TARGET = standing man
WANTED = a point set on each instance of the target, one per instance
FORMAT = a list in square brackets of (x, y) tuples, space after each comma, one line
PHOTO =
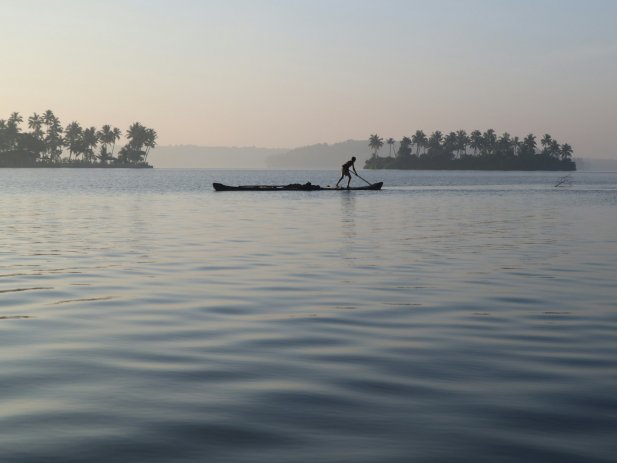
[(345, 172)]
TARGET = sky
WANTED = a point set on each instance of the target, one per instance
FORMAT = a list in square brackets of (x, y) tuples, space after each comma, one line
[(288, 73)]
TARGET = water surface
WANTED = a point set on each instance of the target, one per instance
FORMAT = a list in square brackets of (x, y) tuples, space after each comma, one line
[(453, 316)]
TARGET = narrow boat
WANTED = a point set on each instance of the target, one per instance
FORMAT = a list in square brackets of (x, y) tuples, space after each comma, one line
[(293, 187)]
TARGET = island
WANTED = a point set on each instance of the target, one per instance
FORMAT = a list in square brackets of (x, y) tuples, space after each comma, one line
[(476, 151), (48, 144)]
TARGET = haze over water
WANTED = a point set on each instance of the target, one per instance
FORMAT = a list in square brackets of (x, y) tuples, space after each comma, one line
[(453, 316)]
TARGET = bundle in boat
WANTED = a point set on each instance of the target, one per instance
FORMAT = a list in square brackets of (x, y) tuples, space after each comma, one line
[(308, 186)]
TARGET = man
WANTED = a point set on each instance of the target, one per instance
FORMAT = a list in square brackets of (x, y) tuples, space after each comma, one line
[(345, 173)]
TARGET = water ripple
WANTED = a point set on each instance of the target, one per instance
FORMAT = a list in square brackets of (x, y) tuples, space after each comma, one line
[(451, 317)]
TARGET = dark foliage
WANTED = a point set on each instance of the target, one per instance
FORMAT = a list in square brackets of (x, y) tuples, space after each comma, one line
[(46, 143), (477, 151)]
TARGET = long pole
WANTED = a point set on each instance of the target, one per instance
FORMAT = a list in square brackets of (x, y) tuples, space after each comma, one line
[(363, 179)]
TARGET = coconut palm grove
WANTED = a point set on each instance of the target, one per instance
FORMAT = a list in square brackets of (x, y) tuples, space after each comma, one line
[(476, 151), (48, 144)]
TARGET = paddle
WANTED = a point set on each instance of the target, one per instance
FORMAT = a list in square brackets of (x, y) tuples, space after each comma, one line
[(363, 179)]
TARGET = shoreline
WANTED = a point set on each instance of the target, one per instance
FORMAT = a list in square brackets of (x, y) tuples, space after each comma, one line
[(463, 169), (61, 166)]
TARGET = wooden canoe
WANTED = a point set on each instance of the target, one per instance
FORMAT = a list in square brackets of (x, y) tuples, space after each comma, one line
[(293, 187)]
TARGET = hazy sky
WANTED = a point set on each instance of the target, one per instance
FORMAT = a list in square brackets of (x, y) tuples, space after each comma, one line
[(285, 73)]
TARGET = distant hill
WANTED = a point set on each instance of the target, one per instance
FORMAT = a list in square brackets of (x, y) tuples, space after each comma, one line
[(213, 157), (318, 156), (321, 156), (598, 165)]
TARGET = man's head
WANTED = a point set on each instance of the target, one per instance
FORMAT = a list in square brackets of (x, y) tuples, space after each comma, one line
[(353, 158)]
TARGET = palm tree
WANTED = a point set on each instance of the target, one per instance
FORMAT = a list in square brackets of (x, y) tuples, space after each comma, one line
[(434, 141), (554, 149), (434, 144), (462, 140), (105, 135), (48, 117), (89, 140), (516, 144), (390, 141), (3, 137), (546, 143), (53, 137), (504, 144), (45, 139), (116, 136), (449, 143), (108, 136), (13, 130), (475, 141), (73, 139), (15, 119), (150, 141), (420, 140), (137, 136), (529, 144), (404, 150), (35, 122), (375, 142), (489, 140), (566, 152)]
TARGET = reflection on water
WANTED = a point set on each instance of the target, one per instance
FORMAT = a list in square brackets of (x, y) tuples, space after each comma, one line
[(449, 317), (348, 225)]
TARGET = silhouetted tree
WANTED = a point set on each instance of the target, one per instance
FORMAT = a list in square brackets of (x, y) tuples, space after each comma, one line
[(529, 145), (390, 142), (29, 147), (449, 144), (53, 135), (43, 145), (35, 122), (420, 140), (489, 140), (138, 137), (13, 130), (404, 150), (108, 136), (546, 143), (73, 139), (150, 141), (555, 149), (375, 142), (516, 144), (462, 141), (504, 145), (434, 143), (566, 152), (89, 140), (476, 141), (4, 142), (497, 153)]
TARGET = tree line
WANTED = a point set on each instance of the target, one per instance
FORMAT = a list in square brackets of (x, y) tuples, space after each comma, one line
[(475, 151), (48, 144)]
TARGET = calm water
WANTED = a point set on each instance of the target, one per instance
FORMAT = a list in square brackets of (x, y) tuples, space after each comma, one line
[(451, 317)]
